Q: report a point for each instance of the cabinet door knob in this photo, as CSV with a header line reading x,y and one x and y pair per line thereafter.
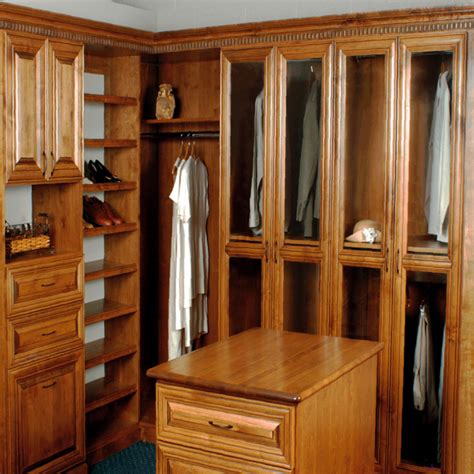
x,y
50,385
48,333
45,285
222,427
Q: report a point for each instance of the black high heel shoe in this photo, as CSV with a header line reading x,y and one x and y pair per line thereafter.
x,y
111,178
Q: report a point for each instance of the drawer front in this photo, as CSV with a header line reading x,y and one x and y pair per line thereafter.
x,y
178,460
43,285
46,407
248,429
40,334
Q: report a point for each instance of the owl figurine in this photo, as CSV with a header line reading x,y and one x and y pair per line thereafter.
x,y
165,102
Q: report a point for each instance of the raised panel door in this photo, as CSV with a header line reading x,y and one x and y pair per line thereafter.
x,y
47,415
66,74
26,98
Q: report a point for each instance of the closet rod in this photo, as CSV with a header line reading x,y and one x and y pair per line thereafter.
x,y
181,135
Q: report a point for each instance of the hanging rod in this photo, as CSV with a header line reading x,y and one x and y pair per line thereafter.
x,y
181,135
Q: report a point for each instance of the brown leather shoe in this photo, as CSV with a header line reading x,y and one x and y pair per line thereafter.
x,y
95,212
112,214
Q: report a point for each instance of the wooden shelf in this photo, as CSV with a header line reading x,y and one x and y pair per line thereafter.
x,y
97,187
109,143
362,246
110,99
101,434
112,229
103,310
105,269
426,245
182,120
100,393
106,350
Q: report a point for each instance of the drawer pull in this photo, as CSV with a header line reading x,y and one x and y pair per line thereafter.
x,y
222,427
50,385
44,285
48,333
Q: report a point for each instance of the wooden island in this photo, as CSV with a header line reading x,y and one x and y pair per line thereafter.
x,y
268,401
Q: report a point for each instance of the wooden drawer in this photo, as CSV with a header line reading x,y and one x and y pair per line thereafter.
x,y
178,460
39,334
248,429
43,285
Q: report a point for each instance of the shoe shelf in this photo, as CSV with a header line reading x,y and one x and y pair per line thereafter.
x,y
106,350
112,229
110,99
98,187
103,432
105,310
101,392
109,143
105,269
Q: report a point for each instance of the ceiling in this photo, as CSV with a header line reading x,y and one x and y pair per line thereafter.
x,y
165,15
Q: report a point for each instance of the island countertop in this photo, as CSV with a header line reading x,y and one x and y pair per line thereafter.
x,y
267,364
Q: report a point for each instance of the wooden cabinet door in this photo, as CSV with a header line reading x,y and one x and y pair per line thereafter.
x,y
47,415
246,196
65,156
26,95
301,215
428,250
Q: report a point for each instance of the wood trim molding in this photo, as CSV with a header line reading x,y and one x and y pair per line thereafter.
x,y
94,33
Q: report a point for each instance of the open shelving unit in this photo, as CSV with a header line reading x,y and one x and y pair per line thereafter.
x,y
112,314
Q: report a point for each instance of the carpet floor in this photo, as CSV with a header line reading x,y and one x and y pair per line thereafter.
x,y
139,458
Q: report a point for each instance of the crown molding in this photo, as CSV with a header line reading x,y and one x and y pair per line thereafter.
x,y
94,33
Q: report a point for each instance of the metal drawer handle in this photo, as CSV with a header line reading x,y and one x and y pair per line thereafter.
x,y
50,385
44,285
223,427
48,333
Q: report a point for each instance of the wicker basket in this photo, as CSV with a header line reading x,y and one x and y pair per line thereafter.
x,y
22,238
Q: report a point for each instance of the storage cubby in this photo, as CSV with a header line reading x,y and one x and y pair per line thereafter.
x,y
112,301
363,178
426,142
194,77
303,149
422,415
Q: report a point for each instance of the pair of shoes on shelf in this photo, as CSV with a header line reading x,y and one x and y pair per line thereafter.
x,y
99,213
98,173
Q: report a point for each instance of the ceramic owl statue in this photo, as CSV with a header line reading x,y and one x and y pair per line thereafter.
x,y
165,103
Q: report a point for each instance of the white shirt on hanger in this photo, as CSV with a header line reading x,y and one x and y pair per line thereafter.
x,y
438,170
255,214
424,390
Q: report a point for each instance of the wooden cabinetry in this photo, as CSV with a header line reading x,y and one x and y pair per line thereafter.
x,y
43,86
275,416
46,415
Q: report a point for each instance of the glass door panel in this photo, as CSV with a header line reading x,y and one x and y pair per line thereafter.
x,y
423,369
301,297
430,150
361,303
365,145
361,319
245,294
247,143
303,148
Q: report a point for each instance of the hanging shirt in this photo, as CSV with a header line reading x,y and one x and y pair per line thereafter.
x,y
438,173
309,195
189,264
175,310
255,214
424,390
440,396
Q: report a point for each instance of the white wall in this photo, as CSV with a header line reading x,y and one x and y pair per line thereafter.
x,y
166,15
